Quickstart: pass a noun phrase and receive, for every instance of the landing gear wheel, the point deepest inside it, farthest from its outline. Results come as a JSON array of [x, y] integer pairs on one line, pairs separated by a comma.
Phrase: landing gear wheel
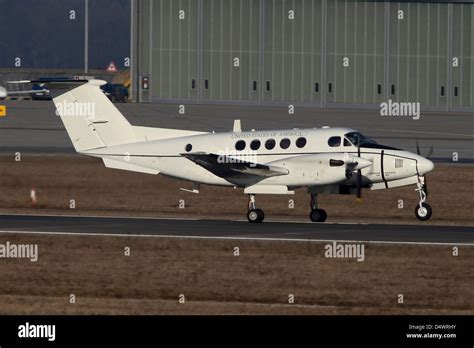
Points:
[[318, 215], [424, 212], [255, 215]]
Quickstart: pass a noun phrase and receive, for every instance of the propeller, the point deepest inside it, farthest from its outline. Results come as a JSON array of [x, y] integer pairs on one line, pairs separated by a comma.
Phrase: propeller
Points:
[[430, 152], [359, 174]]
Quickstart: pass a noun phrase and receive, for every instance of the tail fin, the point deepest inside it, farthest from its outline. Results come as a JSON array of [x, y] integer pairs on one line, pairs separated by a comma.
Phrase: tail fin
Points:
[[91, 120]]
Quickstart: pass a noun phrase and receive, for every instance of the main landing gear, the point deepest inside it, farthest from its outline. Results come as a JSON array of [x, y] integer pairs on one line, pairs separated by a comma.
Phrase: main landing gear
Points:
[[316, 215], [254, 215], [423, 210]]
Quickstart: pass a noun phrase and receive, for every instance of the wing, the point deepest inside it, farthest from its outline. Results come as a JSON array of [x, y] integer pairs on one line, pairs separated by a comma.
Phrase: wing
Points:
[[231, 168]]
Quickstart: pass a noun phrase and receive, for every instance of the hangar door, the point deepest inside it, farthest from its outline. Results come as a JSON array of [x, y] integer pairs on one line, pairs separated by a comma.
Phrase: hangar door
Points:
[[355, 54], [292, 52], [419, 53], [174, 33], [461, 93], [230, 51]]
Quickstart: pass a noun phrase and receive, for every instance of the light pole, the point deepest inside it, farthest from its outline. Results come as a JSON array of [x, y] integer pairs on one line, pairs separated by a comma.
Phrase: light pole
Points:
[[86, 38]]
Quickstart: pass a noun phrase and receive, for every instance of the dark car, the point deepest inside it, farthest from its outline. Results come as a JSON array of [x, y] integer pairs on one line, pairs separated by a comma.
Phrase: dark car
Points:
[[41, 94], [115, 92]]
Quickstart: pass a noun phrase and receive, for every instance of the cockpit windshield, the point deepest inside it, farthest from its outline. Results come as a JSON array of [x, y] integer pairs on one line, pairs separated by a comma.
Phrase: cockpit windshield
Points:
[[358, 139]]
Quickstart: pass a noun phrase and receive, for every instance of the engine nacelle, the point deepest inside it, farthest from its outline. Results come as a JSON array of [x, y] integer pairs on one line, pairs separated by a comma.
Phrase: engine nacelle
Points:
[[321, 169]]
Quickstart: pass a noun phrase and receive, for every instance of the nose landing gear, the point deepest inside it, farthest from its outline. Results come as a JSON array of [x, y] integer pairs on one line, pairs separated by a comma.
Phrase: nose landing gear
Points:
[[254, 215], [423, 210]]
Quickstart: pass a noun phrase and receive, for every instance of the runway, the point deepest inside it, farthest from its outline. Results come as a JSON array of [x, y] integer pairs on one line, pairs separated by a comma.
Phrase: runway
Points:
[[220, 229]]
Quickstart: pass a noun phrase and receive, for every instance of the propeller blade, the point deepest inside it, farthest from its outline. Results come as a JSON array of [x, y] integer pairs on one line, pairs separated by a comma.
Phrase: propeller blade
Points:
[[430, 152], [418, 147], [359, 184], [418, 151], [359, 175]]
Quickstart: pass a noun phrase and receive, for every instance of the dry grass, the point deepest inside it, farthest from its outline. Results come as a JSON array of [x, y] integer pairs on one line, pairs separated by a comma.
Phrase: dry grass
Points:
[[58, 179], [214, 281]]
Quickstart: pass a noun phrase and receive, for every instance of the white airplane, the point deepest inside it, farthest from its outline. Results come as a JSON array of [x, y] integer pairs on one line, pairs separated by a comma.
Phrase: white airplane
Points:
[[3, 92], [325, 160]]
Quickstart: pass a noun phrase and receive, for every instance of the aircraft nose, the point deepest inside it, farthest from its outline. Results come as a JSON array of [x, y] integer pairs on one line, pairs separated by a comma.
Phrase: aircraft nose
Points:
[[424, 166], [362, 163]]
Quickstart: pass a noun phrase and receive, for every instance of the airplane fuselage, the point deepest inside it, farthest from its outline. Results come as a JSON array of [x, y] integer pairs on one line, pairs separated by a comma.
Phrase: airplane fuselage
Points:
[[302, 152]]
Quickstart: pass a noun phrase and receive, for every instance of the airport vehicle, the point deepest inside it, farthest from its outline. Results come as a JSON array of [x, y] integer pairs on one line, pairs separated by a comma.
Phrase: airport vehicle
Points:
[[115, 92], [325, 160], [39, 93]]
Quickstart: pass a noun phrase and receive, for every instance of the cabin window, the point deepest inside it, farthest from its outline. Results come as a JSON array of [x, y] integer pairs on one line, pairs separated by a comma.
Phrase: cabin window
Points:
[[270, 144], [301, 142], [255, 144], [285, 143], [334, 141], [240, 145], [188, 147]]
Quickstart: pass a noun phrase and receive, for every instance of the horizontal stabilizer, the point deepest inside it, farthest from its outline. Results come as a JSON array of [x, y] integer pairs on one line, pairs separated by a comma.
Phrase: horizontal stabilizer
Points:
[[111, 163]]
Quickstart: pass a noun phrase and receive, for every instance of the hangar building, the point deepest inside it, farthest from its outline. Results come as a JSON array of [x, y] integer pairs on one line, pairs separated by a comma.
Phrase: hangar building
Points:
[[320, 53]]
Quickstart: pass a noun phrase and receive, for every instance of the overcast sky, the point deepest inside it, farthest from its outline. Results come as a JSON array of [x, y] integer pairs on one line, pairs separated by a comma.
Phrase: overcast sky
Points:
[[42, 35]]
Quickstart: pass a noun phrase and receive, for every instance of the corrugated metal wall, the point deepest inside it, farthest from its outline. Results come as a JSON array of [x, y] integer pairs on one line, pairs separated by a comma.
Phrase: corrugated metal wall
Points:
[[230, 50], [328, 53], [418, 54]]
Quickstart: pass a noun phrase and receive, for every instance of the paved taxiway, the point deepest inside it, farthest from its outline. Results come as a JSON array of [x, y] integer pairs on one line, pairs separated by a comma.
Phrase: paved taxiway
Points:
[[31, 127], [236, 229]]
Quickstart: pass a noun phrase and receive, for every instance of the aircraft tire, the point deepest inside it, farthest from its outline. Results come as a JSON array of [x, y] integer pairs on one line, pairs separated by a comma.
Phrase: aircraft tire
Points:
[[255, 215], [424, 212], [318, 215]]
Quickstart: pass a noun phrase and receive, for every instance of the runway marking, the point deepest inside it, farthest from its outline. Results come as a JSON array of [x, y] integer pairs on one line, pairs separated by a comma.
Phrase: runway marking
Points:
[[229, 238], [105, 217], [204, 219]]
